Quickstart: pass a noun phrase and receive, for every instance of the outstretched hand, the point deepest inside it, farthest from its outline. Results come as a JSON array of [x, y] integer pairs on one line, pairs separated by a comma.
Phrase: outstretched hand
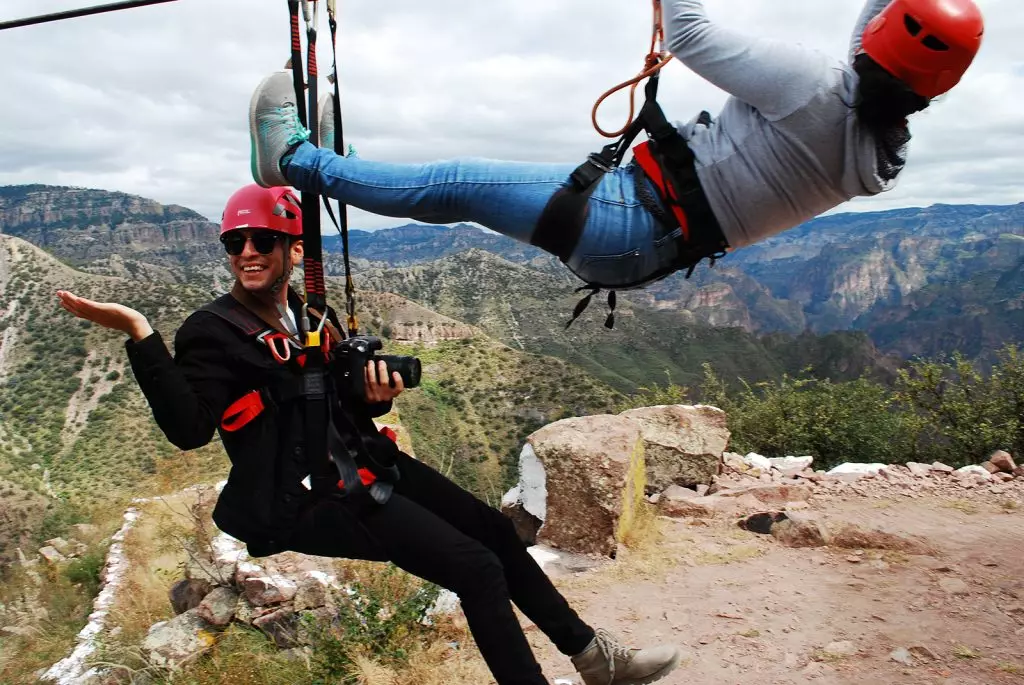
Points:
[[107, 314]]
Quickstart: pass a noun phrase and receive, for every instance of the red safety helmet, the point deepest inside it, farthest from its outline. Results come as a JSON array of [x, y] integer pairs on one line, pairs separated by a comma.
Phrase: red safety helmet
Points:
[[254, 206], [927, 44]]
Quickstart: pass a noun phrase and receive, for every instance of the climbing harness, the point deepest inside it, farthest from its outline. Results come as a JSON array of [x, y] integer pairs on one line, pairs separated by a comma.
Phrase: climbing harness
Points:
[[83, 12], [665, 159], [346, 476]]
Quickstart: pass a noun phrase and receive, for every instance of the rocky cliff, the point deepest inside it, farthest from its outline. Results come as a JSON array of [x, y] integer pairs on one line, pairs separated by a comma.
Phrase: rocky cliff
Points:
[[82, 225]]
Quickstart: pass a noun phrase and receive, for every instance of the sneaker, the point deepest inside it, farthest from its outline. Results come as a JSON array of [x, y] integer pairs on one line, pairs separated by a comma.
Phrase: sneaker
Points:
[[326, 122], [274, 128], [607, 662], [326, 127]]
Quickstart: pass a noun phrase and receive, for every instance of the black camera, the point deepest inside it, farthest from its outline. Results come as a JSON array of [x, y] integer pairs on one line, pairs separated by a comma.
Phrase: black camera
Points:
[[352, 355]]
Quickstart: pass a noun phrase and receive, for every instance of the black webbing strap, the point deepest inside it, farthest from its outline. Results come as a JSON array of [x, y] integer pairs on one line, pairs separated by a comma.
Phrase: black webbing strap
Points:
[[314, 372], [341, 223], [316, 288], [561, 223]]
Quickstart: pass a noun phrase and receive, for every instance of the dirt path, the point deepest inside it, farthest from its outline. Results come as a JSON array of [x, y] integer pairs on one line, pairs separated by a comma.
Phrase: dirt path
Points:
[[747, 610]]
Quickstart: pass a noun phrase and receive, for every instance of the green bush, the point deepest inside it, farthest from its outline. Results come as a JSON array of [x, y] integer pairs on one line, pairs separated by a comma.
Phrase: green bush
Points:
[[834, 422], [383, 618], [939, 410], [85, 571], [960, 415]]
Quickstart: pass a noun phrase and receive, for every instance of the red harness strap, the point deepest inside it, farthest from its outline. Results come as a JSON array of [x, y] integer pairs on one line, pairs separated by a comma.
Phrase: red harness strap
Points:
[[242, 411], [366, 475], [643, 156]]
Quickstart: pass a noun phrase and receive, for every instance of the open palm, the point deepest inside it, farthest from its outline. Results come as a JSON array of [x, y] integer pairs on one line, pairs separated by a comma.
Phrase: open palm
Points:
[[107, 314]]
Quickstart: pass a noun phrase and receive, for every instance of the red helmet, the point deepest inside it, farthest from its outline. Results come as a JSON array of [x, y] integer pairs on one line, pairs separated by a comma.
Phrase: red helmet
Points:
[[254, 206], [927, 44]]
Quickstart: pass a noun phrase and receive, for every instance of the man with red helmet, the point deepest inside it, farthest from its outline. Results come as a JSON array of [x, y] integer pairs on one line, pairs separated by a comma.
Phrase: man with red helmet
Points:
[[800, 134], [235, 371], [265, 217]]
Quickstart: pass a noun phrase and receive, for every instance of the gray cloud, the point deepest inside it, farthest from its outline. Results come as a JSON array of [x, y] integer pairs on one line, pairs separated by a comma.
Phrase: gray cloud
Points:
[[154, 100]]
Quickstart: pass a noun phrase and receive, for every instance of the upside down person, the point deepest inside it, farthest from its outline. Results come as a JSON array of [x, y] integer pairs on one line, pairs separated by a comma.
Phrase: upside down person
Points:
[[801, 133]]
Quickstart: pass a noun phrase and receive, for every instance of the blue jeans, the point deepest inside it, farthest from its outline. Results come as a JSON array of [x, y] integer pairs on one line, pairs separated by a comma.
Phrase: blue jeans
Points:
[[622, 243]]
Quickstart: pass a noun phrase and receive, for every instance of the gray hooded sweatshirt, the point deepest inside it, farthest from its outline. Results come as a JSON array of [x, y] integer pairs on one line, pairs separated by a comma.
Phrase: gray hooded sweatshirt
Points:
[[787, 145]]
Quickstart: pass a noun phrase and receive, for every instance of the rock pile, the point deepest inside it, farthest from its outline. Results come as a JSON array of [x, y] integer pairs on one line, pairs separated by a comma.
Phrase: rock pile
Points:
[[280, 595], [753, 482], [580, 477]]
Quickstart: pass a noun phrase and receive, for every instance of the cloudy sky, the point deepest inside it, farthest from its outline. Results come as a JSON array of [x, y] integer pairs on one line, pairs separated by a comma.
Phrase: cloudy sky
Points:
[[154, 100]]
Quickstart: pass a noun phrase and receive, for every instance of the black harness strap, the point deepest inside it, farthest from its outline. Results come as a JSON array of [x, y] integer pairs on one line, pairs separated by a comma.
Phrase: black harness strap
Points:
[[314, 369], [339, 148]]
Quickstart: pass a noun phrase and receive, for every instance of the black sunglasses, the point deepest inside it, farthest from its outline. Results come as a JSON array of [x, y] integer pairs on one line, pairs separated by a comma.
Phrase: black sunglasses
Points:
[[263, 241]]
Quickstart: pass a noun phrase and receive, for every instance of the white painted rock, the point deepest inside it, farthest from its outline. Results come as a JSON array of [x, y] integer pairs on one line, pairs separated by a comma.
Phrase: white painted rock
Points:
[[975, 470], [856, 469], [792, 464], [757, 461]]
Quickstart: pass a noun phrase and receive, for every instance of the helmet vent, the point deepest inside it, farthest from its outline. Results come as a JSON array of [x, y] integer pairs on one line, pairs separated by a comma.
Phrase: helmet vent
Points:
[[912, 24], [935, 44]]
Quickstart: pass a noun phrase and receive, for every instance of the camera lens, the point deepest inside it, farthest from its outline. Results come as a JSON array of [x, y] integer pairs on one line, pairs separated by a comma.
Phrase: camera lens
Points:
[[407, 367]]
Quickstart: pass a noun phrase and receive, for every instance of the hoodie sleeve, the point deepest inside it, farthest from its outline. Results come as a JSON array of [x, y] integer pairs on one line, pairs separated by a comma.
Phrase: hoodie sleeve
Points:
[[776, 78], [870, 10]]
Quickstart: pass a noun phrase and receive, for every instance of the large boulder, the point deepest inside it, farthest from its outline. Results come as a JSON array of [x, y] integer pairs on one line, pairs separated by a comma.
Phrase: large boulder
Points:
[[584, 479], [526, 503], [683, 444]]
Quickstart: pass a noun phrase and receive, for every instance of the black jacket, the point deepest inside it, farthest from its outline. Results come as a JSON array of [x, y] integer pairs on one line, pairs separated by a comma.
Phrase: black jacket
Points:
[[214, 364]]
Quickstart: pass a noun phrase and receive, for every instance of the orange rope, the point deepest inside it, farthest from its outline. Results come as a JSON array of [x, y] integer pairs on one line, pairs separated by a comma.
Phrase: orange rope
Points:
[[653, 63]]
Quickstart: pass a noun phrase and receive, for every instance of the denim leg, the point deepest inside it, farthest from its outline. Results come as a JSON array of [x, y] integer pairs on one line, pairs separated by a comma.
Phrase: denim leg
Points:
[[621, 243], [507, 197]]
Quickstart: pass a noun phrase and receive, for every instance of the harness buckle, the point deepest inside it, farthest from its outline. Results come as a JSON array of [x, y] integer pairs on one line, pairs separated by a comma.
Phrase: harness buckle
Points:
[[600, 161]]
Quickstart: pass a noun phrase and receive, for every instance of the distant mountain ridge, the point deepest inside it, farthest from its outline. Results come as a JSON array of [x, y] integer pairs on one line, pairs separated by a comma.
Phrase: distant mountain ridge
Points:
[[82, 225], [906, 277]]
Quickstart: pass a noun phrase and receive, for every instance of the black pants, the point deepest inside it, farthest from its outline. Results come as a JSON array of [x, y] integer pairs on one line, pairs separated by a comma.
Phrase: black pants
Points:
[[436, 530]]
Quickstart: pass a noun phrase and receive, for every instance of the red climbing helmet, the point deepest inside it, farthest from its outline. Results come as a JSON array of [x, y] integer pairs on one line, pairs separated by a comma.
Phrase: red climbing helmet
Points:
[[928, 44], [254, 206]]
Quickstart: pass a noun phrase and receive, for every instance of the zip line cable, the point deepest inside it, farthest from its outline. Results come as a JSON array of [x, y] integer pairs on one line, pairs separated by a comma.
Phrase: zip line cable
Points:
[[85, 11]]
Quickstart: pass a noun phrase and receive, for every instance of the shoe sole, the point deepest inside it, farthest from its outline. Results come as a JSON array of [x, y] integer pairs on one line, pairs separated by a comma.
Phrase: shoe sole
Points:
[[255, 161]]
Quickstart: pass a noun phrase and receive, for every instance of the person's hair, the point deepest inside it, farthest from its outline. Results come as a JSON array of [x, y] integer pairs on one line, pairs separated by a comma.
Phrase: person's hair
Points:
[[883, 101]]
